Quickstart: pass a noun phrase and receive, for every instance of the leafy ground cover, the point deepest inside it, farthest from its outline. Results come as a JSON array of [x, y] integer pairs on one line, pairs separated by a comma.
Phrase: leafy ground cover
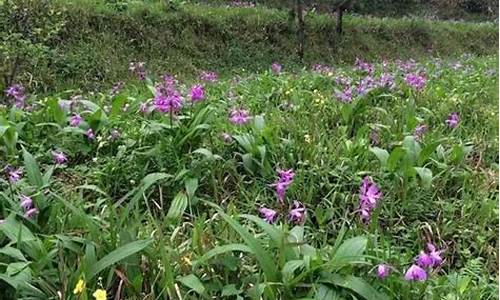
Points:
[[375, 181]]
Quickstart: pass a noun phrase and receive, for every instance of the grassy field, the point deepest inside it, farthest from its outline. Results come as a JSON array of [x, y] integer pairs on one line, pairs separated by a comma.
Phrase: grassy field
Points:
[[134, 193]]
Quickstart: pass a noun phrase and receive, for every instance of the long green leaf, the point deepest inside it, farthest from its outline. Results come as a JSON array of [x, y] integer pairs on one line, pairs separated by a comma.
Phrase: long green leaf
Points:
[[117, 255], [264, 258], [221, 250], [32, 170]]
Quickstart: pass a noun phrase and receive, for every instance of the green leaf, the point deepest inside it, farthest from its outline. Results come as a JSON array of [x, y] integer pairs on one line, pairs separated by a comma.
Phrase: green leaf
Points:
[[289, 269], [13, 252], [221, 250], [394, 158], [177, 207], [230, 290], [381, 154], [92, 187], [427, 152], [259, 122], [191, 185], [425, 175], [115, 256], [192, 282], [265, 259], [32, 170], [274, 233], [350, 251], [324, 292], [412, 148], [355, 284], [16, 231]]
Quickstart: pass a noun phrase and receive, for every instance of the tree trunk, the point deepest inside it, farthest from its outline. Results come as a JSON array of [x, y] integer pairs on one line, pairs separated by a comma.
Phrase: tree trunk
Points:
[[340, 12], [301, 30]]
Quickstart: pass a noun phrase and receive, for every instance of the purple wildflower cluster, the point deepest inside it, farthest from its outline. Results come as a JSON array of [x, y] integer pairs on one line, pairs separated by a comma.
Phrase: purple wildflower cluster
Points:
[[297, 210], [208, 76], [419, 131], [369, 196], [363, 66], [453, 120], [239, 116], [28, 206], [406, 66], [139, 69], [197, 93], [276, 68], [345, 95], [59, 157], [429, 259], [416, 80], [75, 120], [322, 69], [167, 98], [17, 93], [13, 174]]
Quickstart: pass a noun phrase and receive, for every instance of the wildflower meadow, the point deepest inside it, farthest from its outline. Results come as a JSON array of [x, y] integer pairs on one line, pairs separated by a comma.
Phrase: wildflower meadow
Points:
[[369, 179]]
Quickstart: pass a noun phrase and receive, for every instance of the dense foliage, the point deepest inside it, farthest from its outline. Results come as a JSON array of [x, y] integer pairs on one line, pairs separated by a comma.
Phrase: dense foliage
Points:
[[378, 181]]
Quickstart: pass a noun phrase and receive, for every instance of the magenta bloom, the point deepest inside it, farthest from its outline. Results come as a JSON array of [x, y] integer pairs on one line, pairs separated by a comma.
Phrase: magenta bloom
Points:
[[59, 157], [268, 214], [75, 120], [424, 260], [284, 181], [435, 255], [297, 213], [13, 174], [386, 81], [26, 202], [416, 81], [383, 271], [167, 104], [239, 116], [197, 93], [369, 196], [453, 120], [345, 95], [415, 273], [276, 68], [90, 134], [419, 131], [31, 213]]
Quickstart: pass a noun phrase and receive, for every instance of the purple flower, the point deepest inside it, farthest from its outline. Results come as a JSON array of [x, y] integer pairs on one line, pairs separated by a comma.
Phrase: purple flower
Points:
[[17, 92], [31, 213], [13, 174], [226, 138], [415, 273], [167, 104], [364, 66], [276, 68], [139, 69], [239, 116], [345, 95], [75, 120], [435, 255], [115, 134], [90, 134], [297, 213], [416, 81], [365, 85], [197, 93], [386, 81], [59, 157], [419, 131], [424, 260], [453, 120], [369, 197], [117, 87], [208, 76], [268, 214], [284, 181], [26, 202], [383, 271]]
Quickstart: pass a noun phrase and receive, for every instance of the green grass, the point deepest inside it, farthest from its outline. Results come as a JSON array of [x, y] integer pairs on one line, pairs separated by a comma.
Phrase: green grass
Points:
[[168, 209], [98, 41]]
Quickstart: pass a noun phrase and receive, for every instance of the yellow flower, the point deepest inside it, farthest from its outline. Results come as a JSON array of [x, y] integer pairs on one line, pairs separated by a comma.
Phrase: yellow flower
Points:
[[99, 294], [79, 287], [307, 138]]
